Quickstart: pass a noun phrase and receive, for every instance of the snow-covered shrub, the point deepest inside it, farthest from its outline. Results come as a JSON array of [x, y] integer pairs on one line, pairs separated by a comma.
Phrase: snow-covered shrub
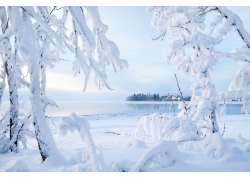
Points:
[[72, 123], [162, 155], [15, 166], [193, 52], [212, 146], [22, 133], [167, 127], [143, 127], [136, 143]]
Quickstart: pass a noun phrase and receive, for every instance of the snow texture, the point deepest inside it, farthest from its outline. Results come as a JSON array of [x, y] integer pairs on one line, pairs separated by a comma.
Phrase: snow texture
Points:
[[213, 146], [135, 143], [72, 123], [15, 166], [163, 154], [166, 127]]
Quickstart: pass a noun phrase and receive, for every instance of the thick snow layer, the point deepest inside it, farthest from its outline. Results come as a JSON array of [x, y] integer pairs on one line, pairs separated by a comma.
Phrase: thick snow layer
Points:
[[15, 166], [120, 151]]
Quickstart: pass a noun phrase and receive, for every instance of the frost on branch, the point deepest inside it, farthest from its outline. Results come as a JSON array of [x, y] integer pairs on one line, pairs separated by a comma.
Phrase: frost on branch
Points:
[[192, 52], [162, 155], [72, 123], [23, 131], [86, 43], [4, 128]]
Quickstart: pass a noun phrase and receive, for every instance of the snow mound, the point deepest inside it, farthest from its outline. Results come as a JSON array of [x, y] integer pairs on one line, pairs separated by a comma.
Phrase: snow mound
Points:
[[82, 162], [162, 155], [236, 150], [189, 137], [136, 143], [212, 146], [246, 147], [121, 166], [15, 166], [80, 157]]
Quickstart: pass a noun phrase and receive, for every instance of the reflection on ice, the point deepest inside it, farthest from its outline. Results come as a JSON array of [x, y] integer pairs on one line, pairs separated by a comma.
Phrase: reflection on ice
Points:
[[90, 108]]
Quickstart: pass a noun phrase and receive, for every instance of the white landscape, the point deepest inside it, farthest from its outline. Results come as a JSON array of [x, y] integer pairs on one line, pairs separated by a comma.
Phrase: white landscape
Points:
[[43, 128]]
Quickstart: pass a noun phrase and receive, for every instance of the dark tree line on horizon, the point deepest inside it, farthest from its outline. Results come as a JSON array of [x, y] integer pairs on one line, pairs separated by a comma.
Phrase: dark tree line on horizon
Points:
[[155, 97]]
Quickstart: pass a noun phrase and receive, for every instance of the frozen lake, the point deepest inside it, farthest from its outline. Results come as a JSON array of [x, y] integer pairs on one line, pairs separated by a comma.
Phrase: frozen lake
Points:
[[121, 107]]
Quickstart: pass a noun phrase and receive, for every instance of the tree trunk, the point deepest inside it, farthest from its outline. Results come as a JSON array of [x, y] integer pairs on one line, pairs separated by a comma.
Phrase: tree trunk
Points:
[[44, 136], [213, 120], [14, 106]]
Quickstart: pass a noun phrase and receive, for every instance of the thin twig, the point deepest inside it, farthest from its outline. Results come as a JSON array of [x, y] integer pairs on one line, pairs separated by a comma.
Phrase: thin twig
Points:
[[181, 94], [224, 130]]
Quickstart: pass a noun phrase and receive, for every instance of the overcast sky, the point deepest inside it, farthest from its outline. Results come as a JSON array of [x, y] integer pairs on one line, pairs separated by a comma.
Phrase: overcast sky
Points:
[[130, 28]]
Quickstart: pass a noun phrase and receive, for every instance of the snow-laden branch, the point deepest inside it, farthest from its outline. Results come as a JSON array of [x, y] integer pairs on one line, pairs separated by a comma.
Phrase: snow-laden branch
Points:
[[72, 123], [30, 10], [162, 155]]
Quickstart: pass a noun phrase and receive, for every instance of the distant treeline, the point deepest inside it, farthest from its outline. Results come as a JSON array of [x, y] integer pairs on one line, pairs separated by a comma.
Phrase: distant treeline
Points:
[[155, 97]]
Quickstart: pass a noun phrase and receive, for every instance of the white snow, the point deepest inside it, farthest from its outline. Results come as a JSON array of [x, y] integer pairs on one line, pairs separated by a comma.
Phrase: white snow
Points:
[[125, 153], [15, 166]]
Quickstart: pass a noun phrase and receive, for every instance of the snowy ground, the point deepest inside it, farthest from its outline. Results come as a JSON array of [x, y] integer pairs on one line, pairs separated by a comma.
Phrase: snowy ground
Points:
[[112, 136]]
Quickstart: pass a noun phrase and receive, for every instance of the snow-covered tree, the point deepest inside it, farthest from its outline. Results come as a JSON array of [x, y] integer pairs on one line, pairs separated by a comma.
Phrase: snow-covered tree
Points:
[[11, 63], [40, 36], [193, 52]]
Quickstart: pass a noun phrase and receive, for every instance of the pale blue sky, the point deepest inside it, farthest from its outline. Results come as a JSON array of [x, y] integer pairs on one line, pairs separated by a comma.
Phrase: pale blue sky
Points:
[[130, 28]]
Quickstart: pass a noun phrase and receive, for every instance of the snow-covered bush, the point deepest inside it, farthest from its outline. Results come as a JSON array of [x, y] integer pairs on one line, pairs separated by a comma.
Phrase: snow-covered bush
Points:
[[72, 123], [165, 126], [23, 132], [212, 146], [193, 52], [162, 155]]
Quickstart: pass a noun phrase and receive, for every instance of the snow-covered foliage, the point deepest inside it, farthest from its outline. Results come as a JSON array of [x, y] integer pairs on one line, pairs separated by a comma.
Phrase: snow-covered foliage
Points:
[[40, 36], [23, 132], [193, 52], [72, 123], [165, 126], [85, 42], [213, 146], [163, 154]]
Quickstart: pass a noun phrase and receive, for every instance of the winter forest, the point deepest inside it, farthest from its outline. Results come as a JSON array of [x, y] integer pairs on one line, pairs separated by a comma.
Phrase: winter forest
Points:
[[197, 133]]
